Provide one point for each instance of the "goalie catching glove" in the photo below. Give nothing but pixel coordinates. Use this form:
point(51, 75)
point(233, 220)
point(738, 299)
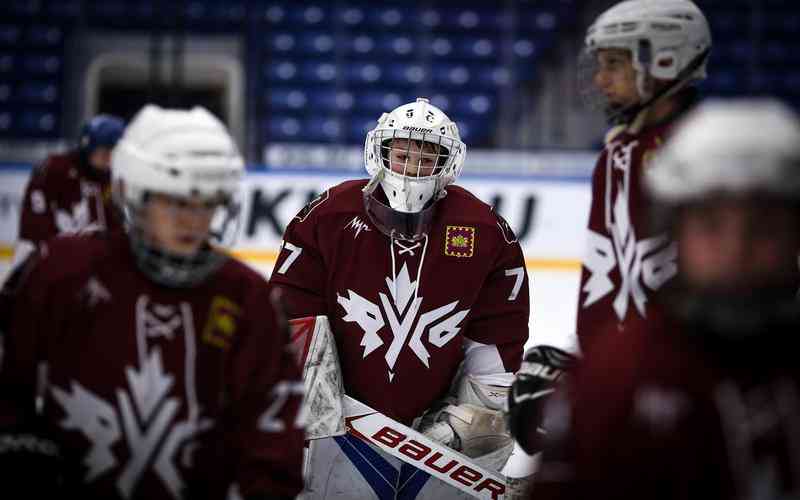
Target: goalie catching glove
point(542, 368)
point(474, 424)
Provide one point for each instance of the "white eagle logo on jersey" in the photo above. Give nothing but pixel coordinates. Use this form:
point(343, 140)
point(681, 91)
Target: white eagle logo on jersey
point(145, 414)
point(75, 221)
point(401, 318)
point(649, 261)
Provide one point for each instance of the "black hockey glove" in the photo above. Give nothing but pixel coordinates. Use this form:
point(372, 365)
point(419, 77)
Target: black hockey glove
point(30, 464)
point(542, 368)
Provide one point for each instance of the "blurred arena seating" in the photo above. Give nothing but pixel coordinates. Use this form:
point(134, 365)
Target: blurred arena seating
point(324, 71)
point(349, 62)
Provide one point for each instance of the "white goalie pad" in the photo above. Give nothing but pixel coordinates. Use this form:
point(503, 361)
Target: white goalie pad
point(315, 350)
point(479, 421)
point(489, 391)
point(476, 424)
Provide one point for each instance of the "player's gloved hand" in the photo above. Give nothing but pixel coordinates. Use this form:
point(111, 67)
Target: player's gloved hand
point(542, 367)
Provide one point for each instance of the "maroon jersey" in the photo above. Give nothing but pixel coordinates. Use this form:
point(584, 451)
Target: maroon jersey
point(405, 315)
point(656, 414)
point(625, 261)
point(61, 197)
point(150, 391)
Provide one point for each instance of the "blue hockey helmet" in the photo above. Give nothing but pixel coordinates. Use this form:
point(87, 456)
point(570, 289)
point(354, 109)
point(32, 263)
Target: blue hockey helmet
point(100, 131)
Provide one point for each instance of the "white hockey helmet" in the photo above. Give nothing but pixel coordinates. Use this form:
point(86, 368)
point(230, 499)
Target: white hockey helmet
point(421, 128)
point(667, 39)
point(738, 149)
point(181, 154)
point(732, 147)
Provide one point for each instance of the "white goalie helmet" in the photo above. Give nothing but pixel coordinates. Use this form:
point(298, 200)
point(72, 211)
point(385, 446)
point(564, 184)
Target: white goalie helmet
point(667, 39)
point(735, 147)
point(413, 153)
point(188, 155)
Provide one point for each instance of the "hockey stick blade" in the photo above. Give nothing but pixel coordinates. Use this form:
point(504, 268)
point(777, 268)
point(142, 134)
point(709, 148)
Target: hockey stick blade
point(414, 448)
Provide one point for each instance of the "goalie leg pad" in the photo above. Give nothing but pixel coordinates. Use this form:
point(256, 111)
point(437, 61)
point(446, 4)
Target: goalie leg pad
point(315, 348)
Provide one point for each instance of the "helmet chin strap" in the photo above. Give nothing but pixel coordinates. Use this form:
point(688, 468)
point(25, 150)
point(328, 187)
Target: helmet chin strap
point(373, 183)
point(634, 113)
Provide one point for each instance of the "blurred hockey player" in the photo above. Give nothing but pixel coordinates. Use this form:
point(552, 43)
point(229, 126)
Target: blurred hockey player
point(146, 362)
point(70, 192)
point(641, 60)
point(426, 291)
point(704, 403)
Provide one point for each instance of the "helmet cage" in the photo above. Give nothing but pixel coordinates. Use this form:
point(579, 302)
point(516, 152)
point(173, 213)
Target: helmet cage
point(594, 99)
point(439, 160)
point(170, 268)
point(189, 158)
point(668, 40)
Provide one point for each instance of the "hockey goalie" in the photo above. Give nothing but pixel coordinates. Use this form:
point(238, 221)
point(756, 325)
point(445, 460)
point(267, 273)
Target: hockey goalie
point(426, 292)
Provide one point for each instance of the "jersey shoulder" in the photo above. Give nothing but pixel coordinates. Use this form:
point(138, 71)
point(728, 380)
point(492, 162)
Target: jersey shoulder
point(239, 272)
point(247, 292)
point(461, 206)
point(472, 207)
point(58, 168)
point(343, 198)
point(65, 258)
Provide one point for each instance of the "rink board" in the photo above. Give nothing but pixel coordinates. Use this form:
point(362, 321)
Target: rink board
point(548, 213)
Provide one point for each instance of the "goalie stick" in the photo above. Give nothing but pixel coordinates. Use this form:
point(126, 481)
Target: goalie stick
point(410, 446)
point(333, 413)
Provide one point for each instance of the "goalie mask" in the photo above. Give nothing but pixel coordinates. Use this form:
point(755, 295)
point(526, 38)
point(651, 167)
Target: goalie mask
point(667, 40)
point(176, 178)
point(412, 154)
point(732, 168)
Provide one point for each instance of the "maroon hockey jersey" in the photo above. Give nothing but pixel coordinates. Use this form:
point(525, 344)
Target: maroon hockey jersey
point(406, 315)
point(625, 261)
point(152, 392)
point(660, 414)
point(61, 197)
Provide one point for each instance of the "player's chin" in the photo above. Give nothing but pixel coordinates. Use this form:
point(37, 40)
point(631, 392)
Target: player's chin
point(185, 246)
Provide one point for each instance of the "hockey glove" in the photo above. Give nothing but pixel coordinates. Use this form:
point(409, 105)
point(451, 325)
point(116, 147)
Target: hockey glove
point(30, 463)
point(542, 368)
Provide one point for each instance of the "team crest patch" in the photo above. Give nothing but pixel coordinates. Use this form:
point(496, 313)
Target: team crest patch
point(221, 323)
point(459, 241)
